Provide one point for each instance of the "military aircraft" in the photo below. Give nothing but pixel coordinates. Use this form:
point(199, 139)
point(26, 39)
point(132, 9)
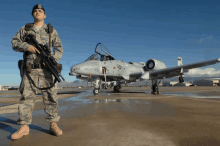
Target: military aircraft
point(104, 70)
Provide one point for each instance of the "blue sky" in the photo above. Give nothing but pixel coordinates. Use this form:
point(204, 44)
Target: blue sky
point(131, 30)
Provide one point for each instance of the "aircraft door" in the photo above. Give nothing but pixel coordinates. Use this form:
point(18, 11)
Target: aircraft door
point(103, 70)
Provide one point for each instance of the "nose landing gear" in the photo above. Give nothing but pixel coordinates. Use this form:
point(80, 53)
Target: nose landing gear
point(96, 91)
point(97, 87)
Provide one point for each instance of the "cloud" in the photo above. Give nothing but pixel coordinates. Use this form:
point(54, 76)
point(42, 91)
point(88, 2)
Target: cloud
point(203, 35)
point(203, 72)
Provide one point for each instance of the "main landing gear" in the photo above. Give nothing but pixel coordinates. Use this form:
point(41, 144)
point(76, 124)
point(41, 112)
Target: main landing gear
point(155, 87)
point(117, 88)
point(181, 80)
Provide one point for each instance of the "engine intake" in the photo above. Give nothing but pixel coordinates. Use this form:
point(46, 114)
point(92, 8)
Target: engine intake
point(153, 64)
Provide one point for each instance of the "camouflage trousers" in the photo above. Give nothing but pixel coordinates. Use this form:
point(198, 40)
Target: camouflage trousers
point(29, 91)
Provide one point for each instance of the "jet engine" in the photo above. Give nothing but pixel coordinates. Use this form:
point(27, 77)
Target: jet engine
point(153, 64)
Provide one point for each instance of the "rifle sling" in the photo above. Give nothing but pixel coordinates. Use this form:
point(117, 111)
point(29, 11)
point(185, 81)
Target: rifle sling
point(30, 79)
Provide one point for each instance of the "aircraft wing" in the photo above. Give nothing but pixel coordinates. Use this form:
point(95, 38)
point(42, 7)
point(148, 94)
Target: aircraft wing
point(177, 70)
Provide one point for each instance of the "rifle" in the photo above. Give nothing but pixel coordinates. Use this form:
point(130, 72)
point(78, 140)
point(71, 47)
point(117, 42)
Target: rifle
point(46, 57)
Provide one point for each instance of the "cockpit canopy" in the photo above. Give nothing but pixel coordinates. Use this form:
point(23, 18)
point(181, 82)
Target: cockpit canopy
point(101, 57)
point(93, 57)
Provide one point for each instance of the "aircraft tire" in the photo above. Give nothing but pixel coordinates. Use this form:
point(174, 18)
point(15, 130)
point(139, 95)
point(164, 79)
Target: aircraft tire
point(96, 91)
point(155, 90)
point(114, 88)
point(181, 80)
point(117, 88)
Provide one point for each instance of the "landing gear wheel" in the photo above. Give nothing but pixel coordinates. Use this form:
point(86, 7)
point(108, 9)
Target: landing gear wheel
point(181, 80)
point(116, 88)
point(96, 91)
point(155, 90)
point(154, 93)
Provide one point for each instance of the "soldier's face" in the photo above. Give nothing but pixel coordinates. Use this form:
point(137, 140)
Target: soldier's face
point(39, 14)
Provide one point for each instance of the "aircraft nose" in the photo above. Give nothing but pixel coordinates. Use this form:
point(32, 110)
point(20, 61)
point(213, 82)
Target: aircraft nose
point(73, 70)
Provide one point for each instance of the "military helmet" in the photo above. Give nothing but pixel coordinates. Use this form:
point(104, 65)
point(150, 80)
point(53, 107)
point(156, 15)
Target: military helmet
point(38, 6)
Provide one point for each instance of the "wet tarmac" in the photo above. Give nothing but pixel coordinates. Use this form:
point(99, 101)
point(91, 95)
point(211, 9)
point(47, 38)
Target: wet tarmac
point(193, 95)
point(126, 118)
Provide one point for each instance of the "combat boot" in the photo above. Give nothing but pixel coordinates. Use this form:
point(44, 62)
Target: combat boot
point(24, 130)
point(55, 129)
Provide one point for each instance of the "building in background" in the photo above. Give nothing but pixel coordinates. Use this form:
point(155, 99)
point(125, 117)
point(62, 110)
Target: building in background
point(4, 88)
point(206, 82)
point(183, 84)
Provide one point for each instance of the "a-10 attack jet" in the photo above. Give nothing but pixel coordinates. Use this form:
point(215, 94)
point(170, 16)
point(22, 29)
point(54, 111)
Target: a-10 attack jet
point(104, 71)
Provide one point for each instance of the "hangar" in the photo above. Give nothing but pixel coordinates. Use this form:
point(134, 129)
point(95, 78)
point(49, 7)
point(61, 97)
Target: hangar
point(206, 82)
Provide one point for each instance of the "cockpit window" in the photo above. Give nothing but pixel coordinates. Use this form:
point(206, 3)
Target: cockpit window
point(93, 57)
point(106, 58)
point(98, 56)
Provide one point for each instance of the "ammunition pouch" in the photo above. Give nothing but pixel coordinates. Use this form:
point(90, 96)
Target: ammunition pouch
point(29, 68)
point(35, 66)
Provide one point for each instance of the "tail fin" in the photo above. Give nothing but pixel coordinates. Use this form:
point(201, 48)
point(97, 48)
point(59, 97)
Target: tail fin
point(179, 61)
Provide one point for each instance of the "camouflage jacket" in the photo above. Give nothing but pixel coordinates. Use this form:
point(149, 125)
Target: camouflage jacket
point(19, 44)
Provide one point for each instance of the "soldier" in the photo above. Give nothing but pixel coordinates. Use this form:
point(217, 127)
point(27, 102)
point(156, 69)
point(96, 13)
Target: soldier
point(38, 73)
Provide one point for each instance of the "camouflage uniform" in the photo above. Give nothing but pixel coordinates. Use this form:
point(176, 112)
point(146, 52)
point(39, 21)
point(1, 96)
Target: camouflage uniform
point(46, 79)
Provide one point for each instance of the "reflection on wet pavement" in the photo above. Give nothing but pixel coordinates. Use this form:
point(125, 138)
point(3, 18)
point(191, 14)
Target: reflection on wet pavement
point(5, 96)
point(81, 106)
point(5, 104)
point(190, 94)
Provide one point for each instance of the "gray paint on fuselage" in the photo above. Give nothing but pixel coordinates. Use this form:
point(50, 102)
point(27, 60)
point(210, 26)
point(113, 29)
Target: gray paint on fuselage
point(115, 69)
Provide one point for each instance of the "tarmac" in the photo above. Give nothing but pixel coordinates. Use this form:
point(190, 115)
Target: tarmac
point(179, 116)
